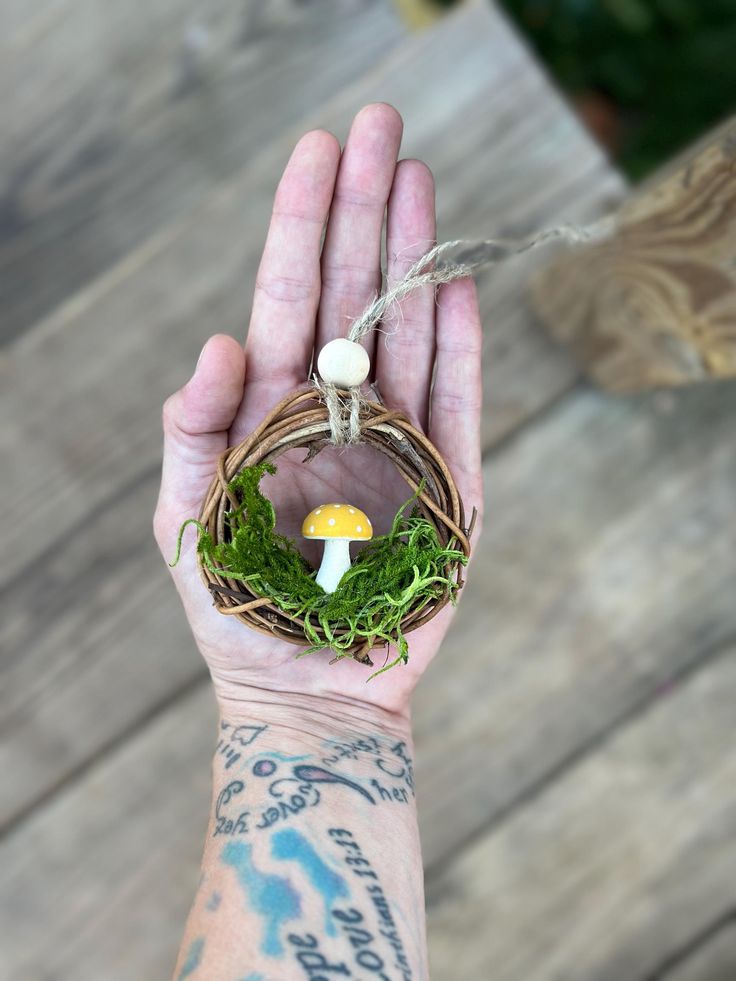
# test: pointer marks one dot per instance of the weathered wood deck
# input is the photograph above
(575, 740)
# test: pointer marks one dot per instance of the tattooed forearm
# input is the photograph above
(362, 917)
(293, 783)
(313, 864)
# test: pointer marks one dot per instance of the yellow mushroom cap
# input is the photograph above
(337, 521)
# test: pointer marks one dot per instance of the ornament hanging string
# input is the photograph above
(443, 263)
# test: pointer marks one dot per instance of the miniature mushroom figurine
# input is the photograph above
(336, 525)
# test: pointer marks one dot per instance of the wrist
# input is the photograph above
(315, 741)
(310, 717)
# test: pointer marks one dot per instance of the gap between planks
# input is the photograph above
(698, 956)
(619, 860)
(586, 749)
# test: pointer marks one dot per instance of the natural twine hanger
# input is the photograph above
(443, 263)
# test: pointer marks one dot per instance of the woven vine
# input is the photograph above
(301, 420)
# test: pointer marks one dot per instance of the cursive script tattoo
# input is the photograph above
(361, 868)
(228, 824)
(390, 758)
(313, 961)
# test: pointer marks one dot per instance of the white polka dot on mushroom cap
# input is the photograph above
(359, 528)
(351, 510)
(331, 521)
(311, 529)
(337, 505)
(318, 511)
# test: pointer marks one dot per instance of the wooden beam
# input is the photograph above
(655, 303)
(618, 865)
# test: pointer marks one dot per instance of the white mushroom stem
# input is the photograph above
(335, 563)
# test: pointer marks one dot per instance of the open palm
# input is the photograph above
(306, 294)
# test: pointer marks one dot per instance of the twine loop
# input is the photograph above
(443, 263)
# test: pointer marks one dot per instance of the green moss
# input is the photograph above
(395, 573)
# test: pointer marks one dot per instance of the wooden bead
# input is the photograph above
(343, 363)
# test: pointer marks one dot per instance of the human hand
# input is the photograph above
(303, 299)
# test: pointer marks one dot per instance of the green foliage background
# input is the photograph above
(669, 66)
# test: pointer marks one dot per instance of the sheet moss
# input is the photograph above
(393, 574)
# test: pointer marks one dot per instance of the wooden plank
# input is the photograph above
(124, 115)
(655, 303)
(615, 865)
(607, 568)
(712, 959)
(93, 638)
(102, 465)
(20, 23)
(109, 867)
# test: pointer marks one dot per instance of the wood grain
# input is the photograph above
(614, 865)
(72, 677)
(124, 115)
(654, 304)
(712, 956)
(620, 514)
(607, 568)
(97, 883)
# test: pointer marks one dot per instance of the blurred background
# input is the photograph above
(575, 738)
(647, 76)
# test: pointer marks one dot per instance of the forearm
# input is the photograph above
(312, 865)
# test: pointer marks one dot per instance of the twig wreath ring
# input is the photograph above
(302, 420)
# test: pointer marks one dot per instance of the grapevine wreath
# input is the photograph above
(260, 578)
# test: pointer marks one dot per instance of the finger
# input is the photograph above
(405, 351)
(196, 420)
(457, 394)
(287, 291)
(351, 257)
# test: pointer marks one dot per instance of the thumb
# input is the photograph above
(196, 420)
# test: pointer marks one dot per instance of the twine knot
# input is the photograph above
(343, 411)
